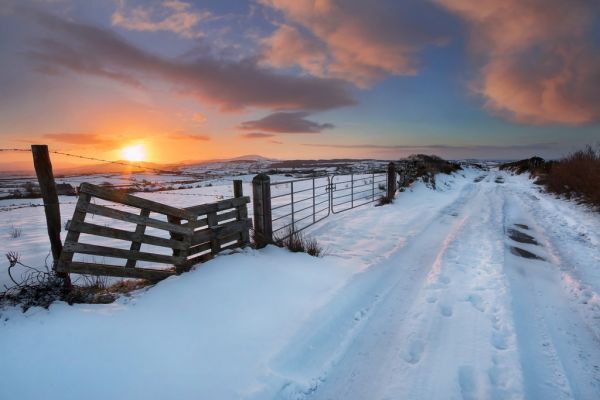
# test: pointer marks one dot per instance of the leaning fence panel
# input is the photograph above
(148, 239)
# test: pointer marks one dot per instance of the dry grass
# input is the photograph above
(297, 242)
(577, 176)
(383, 200)
(15, 232)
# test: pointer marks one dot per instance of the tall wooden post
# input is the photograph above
(263, 225)
(391, 181)
(45, 176)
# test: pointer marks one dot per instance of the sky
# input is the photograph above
(196, 80)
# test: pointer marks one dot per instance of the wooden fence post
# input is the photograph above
(263, 225)
(242, 211)
(45, 176)
(391, 181)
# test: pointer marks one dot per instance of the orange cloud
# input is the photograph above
(85, 139)
(188, 136)
(540, 64)
(352, 39)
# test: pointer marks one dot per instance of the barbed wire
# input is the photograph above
(29, 150)
(178, 172)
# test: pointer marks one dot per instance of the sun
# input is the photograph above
(134, 153)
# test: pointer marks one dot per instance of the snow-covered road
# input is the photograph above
(460, 311)
(485, 288)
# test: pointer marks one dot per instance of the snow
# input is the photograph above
(420, 299)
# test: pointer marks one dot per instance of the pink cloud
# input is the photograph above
(539, 62)
(257, 135)
(352, 39)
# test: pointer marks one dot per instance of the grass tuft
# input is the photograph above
(297, 242)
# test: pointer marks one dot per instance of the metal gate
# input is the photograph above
(355, 190)
(299, 203)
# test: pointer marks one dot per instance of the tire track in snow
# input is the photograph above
(560, 354)
(326, 338)
(462, 326)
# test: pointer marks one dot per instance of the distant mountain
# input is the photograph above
(250, 157)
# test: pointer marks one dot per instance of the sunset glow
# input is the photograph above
(198, 80)
(134, 153)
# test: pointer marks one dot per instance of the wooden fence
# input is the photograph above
(193, 234)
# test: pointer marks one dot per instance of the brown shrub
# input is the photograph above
(577, 176)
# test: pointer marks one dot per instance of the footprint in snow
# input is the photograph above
(476, 301)
(446, 310)
(431, 299)
(499, 340)
(467, 382)
(414, 351)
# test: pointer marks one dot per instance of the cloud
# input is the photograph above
(354, 40)
(188, 136)
(229, 85)
(286, 122)
(199, 118)
(169, 15)
(85, 139)
(538, 60)
(287, 47)
(256, 135)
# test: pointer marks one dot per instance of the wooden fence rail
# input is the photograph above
(193, 234)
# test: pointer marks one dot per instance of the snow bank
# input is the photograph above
(199, 335)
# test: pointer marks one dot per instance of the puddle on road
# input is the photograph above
(517, 251)
(525, 238)
(521, 237)
(522, 226)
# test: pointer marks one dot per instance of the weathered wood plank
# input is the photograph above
(218, 206)
(213, 228)
(136, 245)
(235, 237)
(125, 198)
(241, 212)
(134, 218)
(66, 256)
(199, 259)
(183, 265)
(202, 222)
(85, 248)
(220, 231)
(114, 233)
(200, 248)
(113, 270)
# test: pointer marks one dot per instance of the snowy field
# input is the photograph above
(484, 288)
